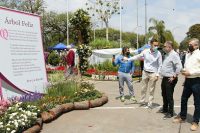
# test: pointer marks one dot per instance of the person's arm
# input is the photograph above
(178, 65)
(159, 64)
(132, 67)
(115, 61)
(136, 57)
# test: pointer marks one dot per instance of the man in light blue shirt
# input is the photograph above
(125, 72)
(171, 67)
(152, 65)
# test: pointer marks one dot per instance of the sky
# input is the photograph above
(178, 15)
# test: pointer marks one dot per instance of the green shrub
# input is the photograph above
(105, 66)
(66, 88)
(56, 76)
(103, 44)
(86, 92)
(53, 58)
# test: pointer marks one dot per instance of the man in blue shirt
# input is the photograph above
(125, 71)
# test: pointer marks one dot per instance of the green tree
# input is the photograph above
(169, 37)
(32, 6)
(81, 26)
(55, 28)
(194, 31)
(104, 10)
(159, 27)
(184, 44)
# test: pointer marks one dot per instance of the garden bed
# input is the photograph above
(20, 113)
(54, 113)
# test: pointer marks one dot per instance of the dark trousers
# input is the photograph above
(167, 94)
(191, 86)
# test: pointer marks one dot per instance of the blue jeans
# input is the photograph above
(125, 77)
(191, 86)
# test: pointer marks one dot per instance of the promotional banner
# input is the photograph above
(22, 65)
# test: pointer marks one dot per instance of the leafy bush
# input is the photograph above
(103, 44)
(53, 58)
(84, 52)
(55, 76)
(66, 88)
(105, 66)
(86, 92)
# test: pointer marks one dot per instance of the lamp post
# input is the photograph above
(67, 22)
(94, 3)
(136, 28)
(120, 23)
(145, 21)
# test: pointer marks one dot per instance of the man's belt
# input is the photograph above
(148, 71)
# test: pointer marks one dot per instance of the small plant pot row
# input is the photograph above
(54, 113)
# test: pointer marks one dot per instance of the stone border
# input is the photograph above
(54, 113)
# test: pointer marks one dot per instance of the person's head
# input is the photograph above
(193, 44)
(154, 44)
(168, 46)
(125, 51)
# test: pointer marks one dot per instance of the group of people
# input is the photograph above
(168, 67)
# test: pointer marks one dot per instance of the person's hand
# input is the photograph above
(113, 59)
(125, 59)
(186, 73)
(171, 79)
(156, 78)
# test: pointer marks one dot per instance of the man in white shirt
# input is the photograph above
(152, 65)
(191, 72)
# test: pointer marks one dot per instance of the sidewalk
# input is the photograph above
(118, 117)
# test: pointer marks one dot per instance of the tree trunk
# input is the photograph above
(107, 31)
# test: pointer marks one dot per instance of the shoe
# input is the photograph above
(142, 104)
(194, 126)
(161, 111)
(178, 119)
(168, 115)
(150, 106)
(122, 98)
(133, 99)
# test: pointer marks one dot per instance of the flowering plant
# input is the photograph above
(18, 118)
(84, 52)
(86, 92)
(4, 104)
(27, 98)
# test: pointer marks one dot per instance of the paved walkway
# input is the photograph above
(118, 117)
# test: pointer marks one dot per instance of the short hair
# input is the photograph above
(153, 40)
(195, 40)
(170, 43)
